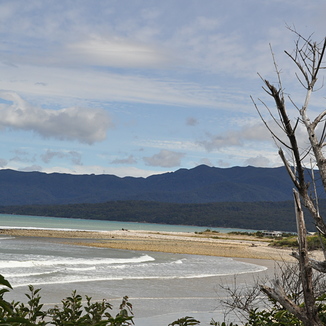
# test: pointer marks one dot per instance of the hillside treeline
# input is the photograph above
(257, 215)
(202, 184)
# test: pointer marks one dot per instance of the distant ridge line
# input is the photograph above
(202, 184)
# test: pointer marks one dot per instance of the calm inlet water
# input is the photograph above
(20, 221)
(162, 287)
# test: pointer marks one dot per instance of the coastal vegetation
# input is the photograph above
(314, 242)
(255, 216)
(71, 312)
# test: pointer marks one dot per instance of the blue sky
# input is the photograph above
(135, 88)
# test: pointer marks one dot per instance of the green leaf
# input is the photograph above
(2, 291)
(13, 320)
(6, 306)
(185, 321)
(4, 282)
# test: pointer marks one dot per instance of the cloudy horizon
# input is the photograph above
(136, 88)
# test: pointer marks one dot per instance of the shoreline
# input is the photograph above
(159, 304)
(209, 244)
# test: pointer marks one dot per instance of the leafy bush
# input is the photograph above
(289, 242)
(185, 321)
(313, 241)
(72, 312)
(243, 233)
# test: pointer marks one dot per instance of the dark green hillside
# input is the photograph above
(202, 184)
(257, 215)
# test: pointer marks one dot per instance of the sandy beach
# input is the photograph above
(164, 300)
(209, 243)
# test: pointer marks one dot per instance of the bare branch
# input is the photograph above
(267, 126)
(308, 59)
(318, 119)
(323, 134)
(320, 60)
(278, 294)
(288, 168)
(300, 68)
(278, 72)
(274, 119)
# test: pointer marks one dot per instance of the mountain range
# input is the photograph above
(202, 184)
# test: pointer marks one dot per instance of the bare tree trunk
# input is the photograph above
(308, 313)
(304, 266)
(308, 56)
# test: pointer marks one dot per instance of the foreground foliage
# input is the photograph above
(73, 312)
(243, 301)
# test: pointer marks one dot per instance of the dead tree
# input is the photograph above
(308, 57)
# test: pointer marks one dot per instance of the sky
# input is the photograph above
(143, 87)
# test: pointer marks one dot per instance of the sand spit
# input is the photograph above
(210, 243)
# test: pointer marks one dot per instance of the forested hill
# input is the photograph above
(202, 184)
(255, 215)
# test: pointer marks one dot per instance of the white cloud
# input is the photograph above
(171, 144)
(259, 161)
(191, 121)
(253, 131)
(3, 162)
(219, 141)
(129, 160)
(97, 169)
(206, 161)
(22, 155)
(238, 156)
(165, 159)
(180, 57)
(115, 52)
(81, 124)
(66, 84)
(31, 168)
(73, 156)
(223, 164)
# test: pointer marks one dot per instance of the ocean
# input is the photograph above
(162, 287)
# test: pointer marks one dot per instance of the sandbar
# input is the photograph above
(207, 243)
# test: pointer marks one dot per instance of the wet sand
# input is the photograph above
(164, 305)
(211, 243)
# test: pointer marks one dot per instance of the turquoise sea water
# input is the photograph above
(7, 220)
(162, 287)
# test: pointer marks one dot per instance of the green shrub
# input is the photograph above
(71, 313)
(288, 242)
(185, 321)
(313, 242)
